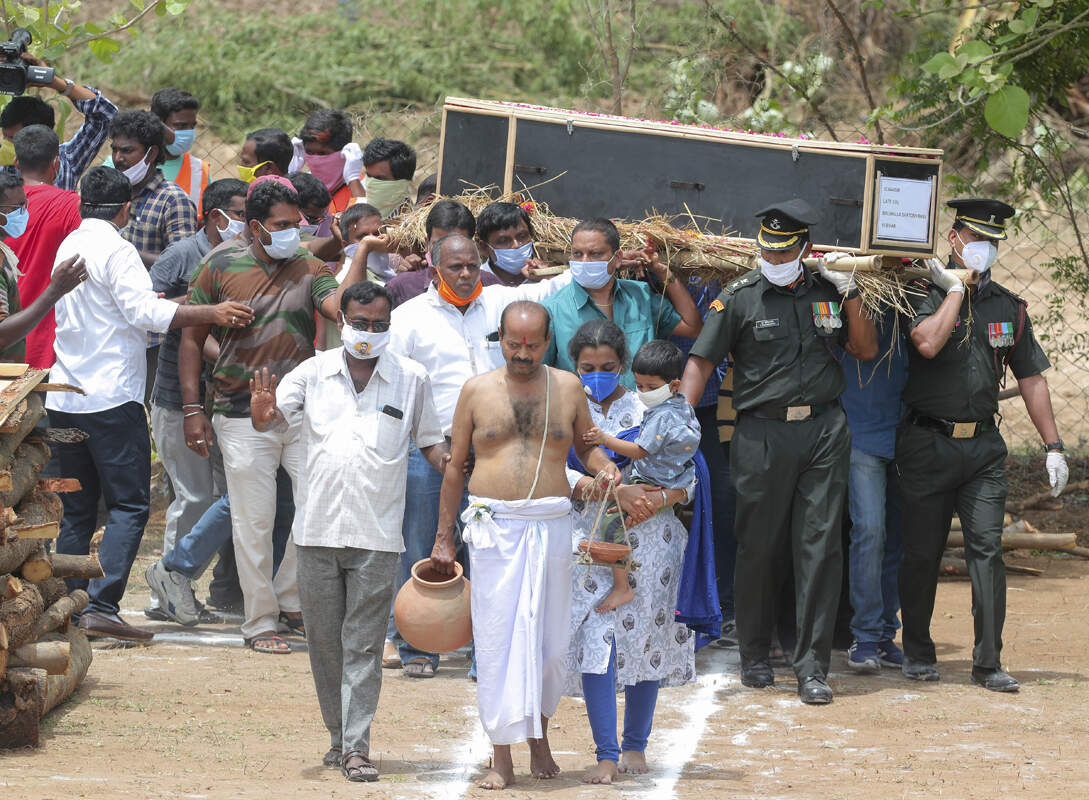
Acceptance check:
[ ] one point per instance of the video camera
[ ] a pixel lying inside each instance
(15, 73)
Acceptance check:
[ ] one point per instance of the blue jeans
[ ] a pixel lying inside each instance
(193, 552)
(639, 702)
(876, 546)
(114, 463)
(421, 521)
(723, 506)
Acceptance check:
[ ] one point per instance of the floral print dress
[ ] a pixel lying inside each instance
(650, 646)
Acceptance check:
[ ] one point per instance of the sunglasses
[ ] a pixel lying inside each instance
(377, 326)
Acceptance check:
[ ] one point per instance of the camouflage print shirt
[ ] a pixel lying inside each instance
(284, 296)
(9, 303)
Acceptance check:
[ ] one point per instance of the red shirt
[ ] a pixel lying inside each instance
(54, 213)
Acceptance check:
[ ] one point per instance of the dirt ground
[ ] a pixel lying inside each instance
(194, 715)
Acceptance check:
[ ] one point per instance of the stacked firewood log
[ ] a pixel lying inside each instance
(43, 657)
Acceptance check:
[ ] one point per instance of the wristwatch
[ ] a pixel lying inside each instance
(1054, 447)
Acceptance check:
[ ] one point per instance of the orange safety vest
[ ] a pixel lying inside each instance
(194, 186)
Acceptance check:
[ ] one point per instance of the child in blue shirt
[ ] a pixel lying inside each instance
(663, 451)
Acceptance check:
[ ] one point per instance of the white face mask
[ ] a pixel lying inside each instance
(978, 255)
(781, 274)
(655, 397)
(233, 229)
(138, 171)
(308, 229)
(590, 274)
(283, 244)
(363, 344)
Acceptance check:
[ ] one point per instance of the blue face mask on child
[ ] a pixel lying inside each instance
(599, 385)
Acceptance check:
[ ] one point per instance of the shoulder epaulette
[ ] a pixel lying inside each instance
(747, 279)
(1009, 293)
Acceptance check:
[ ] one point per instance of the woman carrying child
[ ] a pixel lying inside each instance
(623, 631)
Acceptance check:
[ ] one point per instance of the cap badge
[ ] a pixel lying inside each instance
(774, 224)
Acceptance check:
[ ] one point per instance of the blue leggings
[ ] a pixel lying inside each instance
(639, 702)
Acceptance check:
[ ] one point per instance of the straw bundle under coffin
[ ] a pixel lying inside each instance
(883, 283)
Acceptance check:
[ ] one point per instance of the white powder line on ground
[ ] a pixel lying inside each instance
(680, 743)
(468, 757)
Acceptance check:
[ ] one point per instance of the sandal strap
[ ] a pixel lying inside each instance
(359, 768)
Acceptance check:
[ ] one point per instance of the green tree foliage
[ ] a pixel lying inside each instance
(270, 69)
(61, 26)
(998, 90)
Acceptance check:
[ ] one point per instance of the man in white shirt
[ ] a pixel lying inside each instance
(102, 330)
(356, 406)
(453, 330)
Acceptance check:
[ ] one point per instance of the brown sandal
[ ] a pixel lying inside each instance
(364, 772)
(333, 758)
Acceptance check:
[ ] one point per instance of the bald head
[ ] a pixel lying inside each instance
(457, 263)
(454, 246)
(525, 315)
(523, 337)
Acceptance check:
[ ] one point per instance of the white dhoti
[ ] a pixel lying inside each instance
(520, 565)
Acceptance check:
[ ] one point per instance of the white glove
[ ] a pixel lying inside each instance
(843, 281)
(1057, 472)
(943, 278)
(353, 161)
(298, 154)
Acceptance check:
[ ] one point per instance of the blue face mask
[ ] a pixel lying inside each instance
(590, 274)
(15, 224)
(599, 385)
(513, 260)
(183, 140)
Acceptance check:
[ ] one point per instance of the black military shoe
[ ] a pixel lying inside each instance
(994, 680)
(757, 675)
(919, 670)
(815, 691)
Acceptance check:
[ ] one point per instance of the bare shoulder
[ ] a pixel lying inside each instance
(564, 380)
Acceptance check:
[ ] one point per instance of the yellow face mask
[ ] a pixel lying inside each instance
(7, 153)
(248, 174)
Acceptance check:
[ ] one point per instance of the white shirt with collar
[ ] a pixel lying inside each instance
(454, 347)
(102, 324)
(357, 446)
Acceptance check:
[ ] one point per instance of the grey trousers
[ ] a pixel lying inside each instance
(346, 595)
(196, 484)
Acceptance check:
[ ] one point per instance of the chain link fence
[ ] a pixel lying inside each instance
(1041, 235)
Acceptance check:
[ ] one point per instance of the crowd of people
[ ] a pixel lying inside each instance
(300, 381)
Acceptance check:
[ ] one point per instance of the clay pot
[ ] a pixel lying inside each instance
(432, 610)
(606, 552)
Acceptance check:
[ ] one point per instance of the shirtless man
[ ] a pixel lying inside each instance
(518, 531)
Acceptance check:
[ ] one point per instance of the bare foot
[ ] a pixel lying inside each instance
(633, 763)
(496, 780)
(620, 594)
(604, 772)
(501, 774)
(541, 763)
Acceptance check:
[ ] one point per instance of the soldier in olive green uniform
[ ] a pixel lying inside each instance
(790, 451)
(949, 452)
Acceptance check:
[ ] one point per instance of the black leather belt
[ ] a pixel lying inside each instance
(791, 413)
(954, 430)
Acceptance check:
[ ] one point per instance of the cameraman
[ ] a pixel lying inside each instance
(78, 152)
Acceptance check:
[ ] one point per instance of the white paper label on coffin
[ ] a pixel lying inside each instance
(903, 209)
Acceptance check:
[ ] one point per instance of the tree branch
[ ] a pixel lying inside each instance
(856, 51)
(150, 7)
(728, 27)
